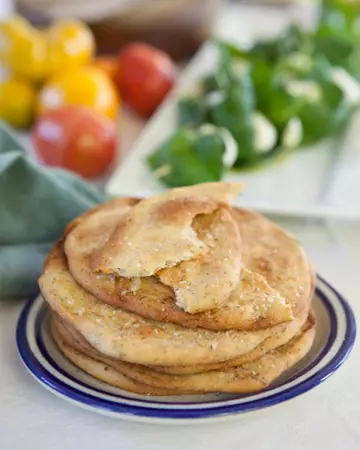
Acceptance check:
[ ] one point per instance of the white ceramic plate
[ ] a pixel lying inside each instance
(334, 339)
(323, 181)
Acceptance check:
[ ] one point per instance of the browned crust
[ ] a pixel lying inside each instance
(128, 251)
(157, 301)
(103, 371)
(245, 378)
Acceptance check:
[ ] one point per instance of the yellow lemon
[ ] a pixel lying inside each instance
(23, 48)
(70, 44)
(85, 86)
(17, 102)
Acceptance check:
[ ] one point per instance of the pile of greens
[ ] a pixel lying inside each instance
(279, 95)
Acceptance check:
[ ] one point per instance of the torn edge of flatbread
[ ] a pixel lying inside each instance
(157, 233)
(206, 282)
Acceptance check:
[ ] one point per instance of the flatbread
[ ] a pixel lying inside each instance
(158, 237)
(248, 377)
(207, 281)
(157, 233)
(267, 345)
(257, 303)
(103, 371)
(269, 250)
(129, 337)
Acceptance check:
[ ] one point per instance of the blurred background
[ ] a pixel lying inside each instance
(178, 27)
(109, 65)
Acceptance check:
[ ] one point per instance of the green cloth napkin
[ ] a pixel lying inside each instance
(36, 203)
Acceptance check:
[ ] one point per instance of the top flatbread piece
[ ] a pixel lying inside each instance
(157, 233)
(254, 304)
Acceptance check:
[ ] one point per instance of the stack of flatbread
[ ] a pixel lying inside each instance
(180, 293)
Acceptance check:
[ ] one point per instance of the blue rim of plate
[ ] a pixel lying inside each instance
(339, 343)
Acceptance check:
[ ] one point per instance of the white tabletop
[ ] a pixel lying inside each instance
(327, 417)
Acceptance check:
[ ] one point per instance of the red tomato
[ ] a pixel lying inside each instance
(76, 138)
(144, 77)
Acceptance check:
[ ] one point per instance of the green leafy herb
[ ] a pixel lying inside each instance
(338, 35)
(190, 157)
(234, 111)
(291, 83)
(193, 111)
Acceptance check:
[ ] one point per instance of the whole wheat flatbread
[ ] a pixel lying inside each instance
(157, 232)
(207, 281)
(104, 372)
(129, 337)
(248, 377)
(267, 345)
(158, 237)
(256, 303)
